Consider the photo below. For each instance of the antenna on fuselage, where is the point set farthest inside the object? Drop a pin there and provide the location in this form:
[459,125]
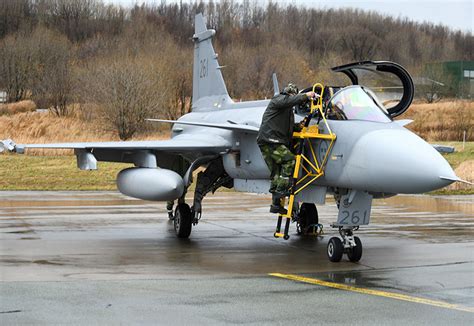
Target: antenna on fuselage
[276,88]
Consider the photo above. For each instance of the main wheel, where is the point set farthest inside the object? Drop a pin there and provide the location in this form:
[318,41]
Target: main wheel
[355,253]
[335,249]
[308,215]
[183,221]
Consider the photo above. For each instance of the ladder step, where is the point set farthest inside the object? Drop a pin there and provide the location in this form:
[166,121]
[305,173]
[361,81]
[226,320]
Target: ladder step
[281,235]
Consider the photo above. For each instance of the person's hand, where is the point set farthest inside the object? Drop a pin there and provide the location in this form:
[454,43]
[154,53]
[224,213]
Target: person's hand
[311,95]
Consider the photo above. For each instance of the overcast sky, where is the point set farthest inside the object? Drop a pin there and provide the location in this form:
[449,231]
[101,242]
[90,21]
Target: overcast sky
[457,14]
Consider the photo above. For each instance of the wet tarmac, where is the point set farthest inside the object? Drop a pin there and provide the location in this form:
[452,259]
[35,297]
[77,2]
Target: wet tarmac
[102,258]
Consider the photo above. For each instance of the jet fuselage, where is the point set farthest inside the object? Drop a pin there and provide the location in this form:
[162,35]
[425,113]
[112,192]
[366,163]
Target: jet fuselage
[371,156]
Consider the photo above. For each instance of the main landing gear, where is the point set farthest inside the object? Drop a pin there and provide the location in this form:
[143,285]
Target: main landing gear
[210,180]
[307,220]
[350,245]
[183,220]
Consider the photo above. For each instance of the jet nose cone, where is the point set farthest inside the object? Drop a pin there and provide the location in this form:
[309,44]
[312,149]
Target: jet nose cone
[398,161]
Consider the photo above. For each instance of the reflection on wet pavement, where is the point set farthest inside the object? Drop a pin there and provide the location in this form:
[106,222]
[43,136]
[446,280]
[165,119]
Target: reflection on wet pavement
[431,218]
[416,245]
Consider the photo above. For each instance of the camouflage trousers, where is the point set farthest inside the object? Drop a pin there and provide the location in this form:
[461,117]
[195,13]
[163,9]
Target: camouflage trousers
[281,162]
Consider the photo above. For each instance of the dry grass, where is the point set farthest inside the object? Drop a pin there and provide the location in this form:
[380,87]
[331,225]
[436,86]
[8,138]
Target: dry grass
[18,107]
[44,127]
[462,161]
[445,121]
[466,172]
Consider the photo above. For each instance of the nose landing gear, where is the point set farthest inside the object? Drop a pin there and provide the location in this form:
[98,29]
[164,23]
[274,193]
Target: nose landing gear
[350,245]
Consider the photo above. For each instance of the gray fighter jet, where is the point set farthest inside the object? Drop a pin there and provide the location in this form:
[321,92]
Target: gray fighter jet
[372,155]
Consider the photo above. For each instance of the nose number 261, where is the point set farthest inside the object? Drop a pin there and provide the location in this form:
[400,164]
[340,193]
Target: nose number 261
[354,209]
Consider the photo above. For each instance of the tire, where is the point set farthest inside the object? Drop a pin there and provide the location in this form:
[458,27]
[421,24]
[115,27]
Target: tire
[308,215]
[335,249]
[183,221]
[355,254]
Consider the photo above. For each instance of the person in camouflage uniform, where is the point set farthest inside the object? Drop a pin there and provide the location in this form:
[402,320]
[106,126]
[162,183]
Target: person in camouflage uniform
[274,139]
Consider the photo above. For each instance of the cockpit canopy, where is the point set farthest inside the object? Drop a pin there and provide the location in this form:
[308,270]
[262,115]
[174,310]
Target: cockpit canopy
[391,83]
[385,88]
[356,103]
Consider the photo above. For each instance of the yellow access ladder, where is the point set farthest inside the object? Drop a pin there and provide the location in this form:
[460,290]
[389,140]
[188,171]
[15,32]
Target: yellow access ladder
[308,166]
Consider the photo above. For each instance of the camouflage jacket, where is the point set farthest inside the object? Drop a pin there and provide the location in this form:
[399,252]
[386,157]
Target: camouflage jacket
[278,120]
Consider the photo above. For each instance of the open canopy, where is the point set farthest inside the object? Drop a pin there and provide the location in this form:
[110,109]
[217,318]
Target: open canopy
[388,80]
[356,103]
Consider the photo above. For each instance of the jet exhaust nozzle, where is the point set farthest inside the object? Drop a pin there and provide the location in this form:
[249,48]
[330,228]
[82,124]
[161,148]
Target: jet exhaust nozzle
[150,184]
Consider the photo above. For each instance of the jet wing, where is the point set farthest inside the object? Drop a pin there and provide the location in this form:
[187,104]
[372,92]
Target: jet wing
[140,153]
[184,143]
[228,126]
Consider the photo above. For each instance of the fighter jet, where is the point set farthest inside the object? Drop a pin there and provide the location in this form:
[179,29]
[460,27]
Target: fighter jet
[362,154]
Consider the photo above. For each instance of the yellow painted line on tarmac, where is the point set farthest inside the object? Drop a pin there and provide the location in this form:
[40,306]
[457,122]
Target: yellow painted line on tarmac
[378,293]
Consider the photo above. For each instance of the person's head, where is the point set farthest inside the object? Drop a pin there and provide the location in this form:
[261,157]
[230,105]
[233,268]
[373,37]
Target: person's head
[291,89]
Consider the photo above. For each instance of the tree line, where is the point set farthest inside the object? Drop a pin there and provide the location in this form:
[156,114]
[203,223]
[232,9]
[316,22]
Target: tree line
[127,64]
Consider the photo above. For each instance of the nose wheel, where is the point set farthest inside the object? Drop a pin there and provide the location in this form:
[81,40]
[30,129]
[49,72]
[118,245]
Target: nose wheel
[335,249]
[349,245]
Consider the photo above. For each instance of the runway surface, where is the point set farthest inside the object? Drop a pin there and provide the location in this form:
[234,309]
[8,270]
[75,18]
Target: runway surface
[102,258]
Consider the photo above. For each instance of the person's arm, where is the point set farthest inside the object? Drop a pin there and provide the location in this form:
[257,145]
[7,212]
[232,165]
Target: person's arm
[289,101]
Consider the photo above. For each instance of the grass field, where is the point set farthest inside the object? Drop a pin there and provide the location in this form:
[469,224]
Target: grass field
[442,121]
[25,172]
[462,161]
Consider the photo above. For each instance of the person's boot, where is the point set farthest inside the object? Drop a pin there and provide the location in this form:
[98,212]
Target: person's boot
[276,206]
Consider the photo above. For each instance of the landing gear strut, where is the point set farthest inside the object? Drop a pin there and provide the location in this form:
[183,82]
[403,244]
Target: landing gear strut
[210,180]
[350,245]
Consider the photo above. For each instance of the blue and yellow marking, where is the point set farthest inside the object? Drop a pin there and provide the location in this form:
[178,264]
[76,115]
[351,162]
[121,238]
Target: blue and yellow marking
[385,294]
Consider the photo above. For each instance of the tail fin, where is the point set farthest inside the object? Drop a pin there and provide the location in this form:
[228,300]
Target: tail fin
[209,89]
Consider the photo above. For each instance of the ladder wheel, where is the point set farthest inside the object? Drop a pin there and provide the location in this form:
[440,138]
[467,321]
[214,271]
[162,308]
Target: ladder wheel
[286,237]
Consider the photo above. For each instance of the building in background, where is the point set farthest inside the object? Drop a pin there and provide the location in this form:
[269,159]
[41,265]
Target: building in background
[458,77]
[3,97]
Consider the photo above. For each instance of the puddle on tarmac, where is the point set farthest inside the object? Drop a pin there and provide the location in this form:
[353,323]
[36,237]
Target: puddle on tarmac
[431,218]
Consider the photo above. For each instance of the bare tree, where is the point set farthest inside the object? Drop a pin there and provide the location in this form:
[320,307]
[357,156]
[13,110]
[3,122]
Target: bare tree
[51,82]
[127,91]
[16,64]
[257,40]
[360,42]
[14,15]
[436,84]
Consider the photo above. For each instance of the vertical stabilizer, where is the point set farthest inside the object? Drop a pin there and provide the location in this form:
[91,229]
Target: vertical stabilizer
[209,89]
